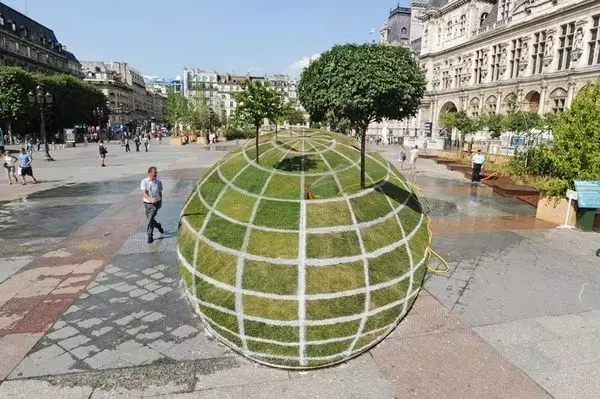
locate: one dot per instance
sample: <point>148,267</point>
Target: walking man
<point>146,141</point>
<point>151,189</point>
<point>477,163</point>
<point>414,155</point>
<point>25,160</point>
<point>103,151</point>
<point>127,148</point>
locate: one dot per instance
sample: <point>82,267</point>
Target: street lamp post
<point>43,101</point>
<point>99,114</point>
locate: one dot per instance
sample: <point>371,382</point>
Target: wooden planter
<point>512,190</point>
<point>554,211</point>
<point>176,141</point>
<point>443,161</point>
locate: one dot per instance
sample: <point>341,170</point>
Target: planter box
<point>428,156</point>
<point>554,211</point>
<point>176,141</point>
<point>511,190</point>
<point>459,167</point>
<point>443,161</point>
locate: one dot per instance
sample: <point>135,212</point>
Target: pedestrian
<point>10,162</point>
<point>127,148</point>
<point>146,142</point>
<point>137,141</point>
<point>477,163</point>
<point>103,151</point>
<point>29,146</point>
<point>38,144</point>
<point>25,160</point>
<point>402,156</point>
<point>85,141</point>
<point>414,155</point>
<point>425,146</point>
<point>152,189</point>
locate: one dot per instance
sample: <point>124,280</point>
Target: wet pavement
<point>88,309</point>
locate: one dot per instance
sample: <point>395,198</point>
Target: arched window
<point>463,24</point>
<point>403,31</point>
<point>449,29</point>
<point>482,19</point>
<point>559,99</point>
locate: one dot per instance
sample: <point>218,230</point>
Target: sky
<point>161,38</point>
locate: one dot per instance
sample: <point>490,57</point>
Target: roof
<point>437,3</point>
<point>34,28</point>
<point>492,16</point>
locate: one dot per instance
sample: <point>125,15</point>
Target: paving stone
<point>298,388</point>
<point>52,360</point>
<point>219,373</point>
<point>135,330</point>
<point>73,342</point>
<point>153,286</point>
<point>83,352</point>
<point>42,389</point>
<point>163,290</point>
<point>63,333</point>
<point>123,321</point>
<point>13,348</point>
<point>149,297</point>
<point>137,292</point>
<point>101,331</point>
<point>149,336</point>
<point>98,289</point>
<point>184,331</point>
<point>89,323</point>
<point>153,317</point>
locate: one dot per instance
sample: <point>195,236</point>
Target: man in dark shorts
<point>25,165</point>
<point>152,189</point>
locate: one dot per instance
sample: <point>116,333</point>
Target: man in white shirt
<point>477,163</point>
<point>414,155</point>
<point>152,189</point>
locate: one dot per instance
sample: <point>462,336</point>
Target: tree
<point>280,111</point>
<point>178,109</point>
<point>575,153</point>
<point>256,103</point>
<point>364,83</point>
<point>15,83</point>
<point>494,123</point>
<point>295,116</point>
<point>448,122</point>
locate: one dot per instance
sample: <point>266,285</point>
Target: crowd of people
<point>139,140</point>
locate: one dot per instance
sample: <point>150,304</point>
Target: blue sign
<point>588,193</point>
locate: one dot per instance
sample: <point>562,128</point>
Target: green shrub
<point>233,133</point>
<point>553,187</point>
<point>532,161</point>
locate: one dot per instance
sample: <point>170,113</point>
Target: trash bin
<point>586,218</point>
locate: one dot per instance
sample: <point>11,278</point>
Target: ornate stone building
<point>484,55</point>
<point>29,45</point>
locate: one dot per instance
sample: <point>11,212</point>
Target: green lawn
<point>314,265</point>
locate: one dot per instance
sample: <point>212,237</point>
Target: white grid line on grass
<point>258,356</point>
<point>302,270</point>
<point>308,322</point>
<point>294,344</point>
<point>239,273</point>
<point>319,262</point>
<point>290,297</point>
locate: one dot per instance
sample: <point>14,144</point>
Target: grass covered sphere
<point>289,262</point>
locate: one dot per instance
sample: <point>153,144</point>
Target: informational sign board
<point>69,135</point>
<point>428,129</point>
<point>588,193</point>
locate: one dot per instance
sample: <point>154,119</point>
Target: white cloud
<point>302,63</point>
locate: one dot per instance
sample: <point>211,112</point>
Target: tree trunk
<point>10,138</point>
<point>257,161</point>
<point>363,141</point>
<point>275,131</point>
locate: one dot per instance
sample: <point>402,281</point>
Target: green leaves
<point>362,83</point>
<point>258,102</point>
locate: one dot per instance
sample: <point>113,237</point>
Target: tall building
<point>219,88</point>
<point>484,56</point>
<point>125,88</point>
<point>165,85</point>
<point>30,45</point>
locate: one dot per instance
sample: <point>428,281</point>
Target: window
<point>539,46</point>
<point>463,24</point>
<point>439,35</point>
<point>475,107</point>
<point>446,80</point>
<point>479,66</point>
<point>515,57</point>
<point>594,44</point>
<point>403,31</point>
<point>565,43</point>
<point>449,30</point>
<point>230,104</point>
<point>558,98</point>
<point>482,19</point>
<point>490,104</point>
<point>457,75</point>
<point>504,9</point>
<point>13,26</point>
<point>1,20</point>
<point>496,55</point>
<point>17,46</point>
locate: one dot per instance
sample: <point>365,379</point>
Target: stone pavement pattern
<point>88,309</point>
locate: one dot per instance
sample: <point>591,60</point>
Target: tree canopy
<point>257,102</point>
<point>363,83</point>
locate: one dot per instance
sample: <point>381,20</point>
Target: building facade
<point>30,45</point>
<point>485,56</point>
<point>126,91</point>
<point>219,88</point>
